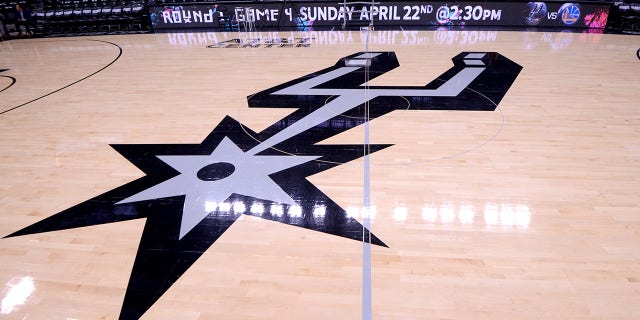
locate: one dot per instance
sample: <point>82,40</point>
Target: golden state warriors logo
<point>569,13</point>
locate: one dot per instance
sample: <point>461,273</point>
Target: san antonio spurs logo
<point>192,193</point>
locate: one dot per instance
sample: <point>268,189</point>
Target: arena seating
<point>7,9</point>
<point>75,17</point>
<point>626,17</point>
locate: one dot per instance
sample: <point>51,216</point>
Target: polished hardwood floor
<point>531,211</point>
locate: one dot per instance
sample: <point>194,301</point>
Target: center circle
<point>215,171</point>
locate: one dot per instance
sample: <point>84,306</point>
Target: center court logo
<point>569,13</point>
<point>192,193</point>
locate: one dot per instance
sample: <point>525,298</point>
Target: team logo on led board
<point>569,13</point>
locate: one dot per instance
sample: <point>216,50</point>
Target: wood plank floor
<point>531,211</point>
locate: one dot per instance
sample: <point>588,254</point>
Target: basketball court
<point>502,184</point>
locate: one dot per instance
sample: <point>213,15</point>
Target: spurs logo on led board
<point>192,193</point>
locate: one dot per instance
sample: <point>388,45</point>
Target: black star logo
<point>192,193</point>
<point>163,255</point>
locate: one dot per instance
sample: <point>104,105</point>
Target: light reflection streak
<point>257,208</point>
<point>494,215</point>
<point>319,211</point>
<point>239,207</point>
<point>276,210</point>
<point>400,214</point>
<point>369,212</point>
<point>503,215</point>
<point>295,211</point>
<point>225,206</point>
<point>357,212</point>
<point>210,206</point>
<point>466,215</point>
<point>430,214</point>
<point>522,216</point>
<point>20,289</point>
<point>353,212</point>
